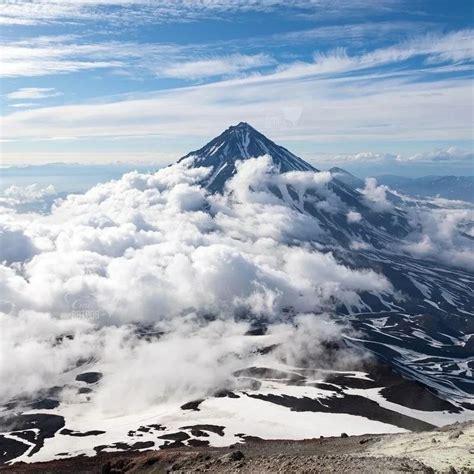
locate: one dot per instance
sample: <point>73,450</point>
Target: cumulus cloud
<point>353,217</point>
<point>147,248</point>
<point>443,233</point>
<point>121,278</point>
<point>448,155</point>
<point>376,196</point>
<point>29,198</point>
<point>156,253</point>
<point>15,245</point>
<point>440,155</point>
<point>28,193</point>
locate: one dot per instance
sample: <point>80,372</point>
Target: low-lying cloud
<point>158,250</point>
<point>444,234</point>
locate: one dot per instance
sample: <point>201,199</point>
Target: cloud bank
<point>148,247</point>
<point>157,251</point>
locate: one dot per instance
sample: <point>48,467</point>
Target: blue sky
<point>373,86</point>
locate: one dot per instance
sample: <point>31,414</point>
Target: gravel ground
<point>411,452</point>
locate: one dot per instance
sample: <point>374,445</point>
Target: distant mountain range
<point>449,187</point>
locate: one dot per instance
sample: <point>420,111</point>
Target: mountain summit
<point>241,142</point>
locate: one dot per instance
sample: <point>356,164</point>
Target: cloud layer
<point>157,249</point>
<point>28,12</point>
<point>146,248</point>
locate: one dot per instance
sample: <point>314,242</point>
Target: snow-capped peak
<point>241,142</point>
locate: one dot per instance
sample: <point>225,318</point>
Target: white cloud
<point>438,234</point>
<point>391,105</point>
<point>145,249</point>
<point>24,105</point>
<point>376,196</point>
<point>353,217</point>
<point>35,354</point>
<point>221,66</point>
<point>393,109</point>
<point>33,93</point>
<point>364,156</point>
<point>440,155</point>
<point>15,246</point>
<point>26,12</point>
<point>48,55</point>
<point>39,60</point>
<point>28,193</point>
<point>142,249</point>
<point>67,54</point>
<point>447,155</point>
<point>453,47</point>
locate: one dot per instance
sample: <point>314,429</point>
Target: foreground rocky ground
<point>446,450</point>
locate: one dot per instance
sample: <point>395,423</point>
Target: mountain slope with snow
<point>329,203</point>
<point>369,228</point>
<point>228,297</point>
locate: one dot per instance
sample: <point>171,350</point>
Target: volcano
<point>241,142</point>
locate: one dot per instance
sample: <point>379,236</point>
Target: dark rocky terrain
<point>344,454</point>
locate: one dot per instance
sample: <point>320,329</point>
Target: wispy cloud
<point>222,66</point>
<point>455,47</point>
<point>33,93</point>
<point>49,55</point>
<point>392,90</point>
<point>349,34</point>
<point>29,12</point>
<point>53,55</point>
<point>24,105</point>
<point>363,156</point>
<point>327,109</point>
<point>447,155</point>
